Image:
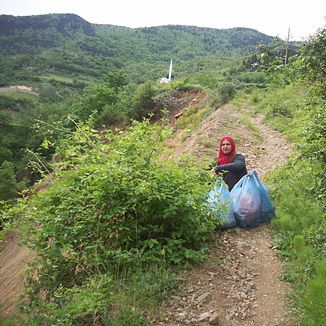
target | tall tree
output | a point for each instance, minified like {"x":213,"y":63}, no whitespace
{"x":8,"y":183}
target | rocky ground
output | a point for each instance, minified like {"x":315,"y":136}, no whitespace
{"x":239,"y":285}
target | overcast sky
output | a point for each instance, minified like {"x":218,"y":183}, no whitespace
{"x":273,"y":17}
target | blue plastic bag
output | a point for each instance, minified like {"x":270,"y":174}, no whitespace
{"x":246,"y":201}
{"x":219,"y":201}
{"x":267,"y":207}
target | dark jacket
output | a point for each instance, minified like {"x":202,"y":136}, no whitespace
{"x":232,"y":172}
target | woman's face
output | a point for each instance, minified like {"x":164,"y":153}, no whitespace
{"x":226,"y":146}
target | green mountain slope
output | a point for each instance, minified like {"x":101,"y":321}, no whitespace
{"x":66,"y":44}
{"x":59,"y":55}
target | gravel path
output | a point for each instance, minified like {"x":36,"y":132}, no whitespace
{"x":240,"y":283}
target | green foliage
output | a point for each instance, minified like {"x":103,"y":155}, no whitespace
{"x":66,"y":46}
{"x":94,"y":100}
{"x":49,"y":94}
{"x":275,"y":60}
{"x":310,"y":68}
{"x":208,"y":80}
{"x":8,"y":183}
{"x":256,"y":77}
{"x":311,"y":62}
{"x":113,"y":204}
{"x":70,"y":54}
{"x":226,"y":92}
{"x":297,"y":215}
{"x":129,"y":299}
{"x":300,"y":226}
{"x":106,"y":102}
{"x":192,"y":117}
{"x":314,"y":134}
{"x":303,"y":120}
{"x":75,"y":306}
{"x":21,"y":134}
{"x":284,"y":108}
{"x":143,"y":101}
{"x":315,"y":298}
{"x":115,"y":80}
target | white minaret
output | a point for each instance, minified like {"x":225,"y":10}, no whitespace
{"x":167,"y":80}
{"x":170,"y":70}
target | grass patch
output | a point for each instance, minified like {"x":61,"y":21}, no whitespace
{"x":61,"y":79}
{"x":253,"y":128}
{"x":192,"y":117}
{"x":300,"y":236}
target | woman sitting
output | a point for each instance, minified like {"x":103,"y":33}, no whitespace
{"x":230,"y":165}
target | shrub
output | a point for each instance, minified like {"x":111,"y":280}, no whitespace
{"x":143,"y":102}
{"x":226,"y":92}
{"x":8,"y":182}
{"x":113,"y":205}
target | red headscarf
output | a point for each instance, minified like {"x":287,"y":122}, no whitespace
{"x":226,"y":158}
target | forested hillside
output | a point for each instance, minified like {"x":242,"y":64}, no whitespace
{"x":68,"y":45}
{"x":62,"y":56}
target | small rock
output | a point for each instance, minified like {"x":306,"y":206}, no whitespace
{"x":204,"y":316}
{"x":205,"y":297}
{"x":191,"y":289}
{"x":244,"y":316}
{"x":236,"y":296}
{"x":245,"y":290}
{"x":214,"y":319}
{"x":182,"y":316}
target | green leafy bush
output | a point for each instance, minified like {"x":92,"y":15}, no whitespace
{"x":226,"y":92}
{"x":279,"y":109}
{"x":143,"y":101}
{"x":114,"y":204}
{"x":8,"y":183}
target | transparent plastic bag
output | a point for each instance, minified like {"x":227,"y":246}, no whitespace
{"x":267,"y":207}
{"x":246,"y":201}
{"x":219,"y":201}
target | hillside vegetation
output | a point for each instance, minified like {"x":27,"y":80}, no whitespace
{"x":80,"y":69}
{"x":36,"y":46}
{"x":111,"y":221}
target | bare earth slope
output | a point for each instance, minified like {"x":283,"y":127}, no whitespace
{"x":240,"y":283}
{"x":13,"y":263}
